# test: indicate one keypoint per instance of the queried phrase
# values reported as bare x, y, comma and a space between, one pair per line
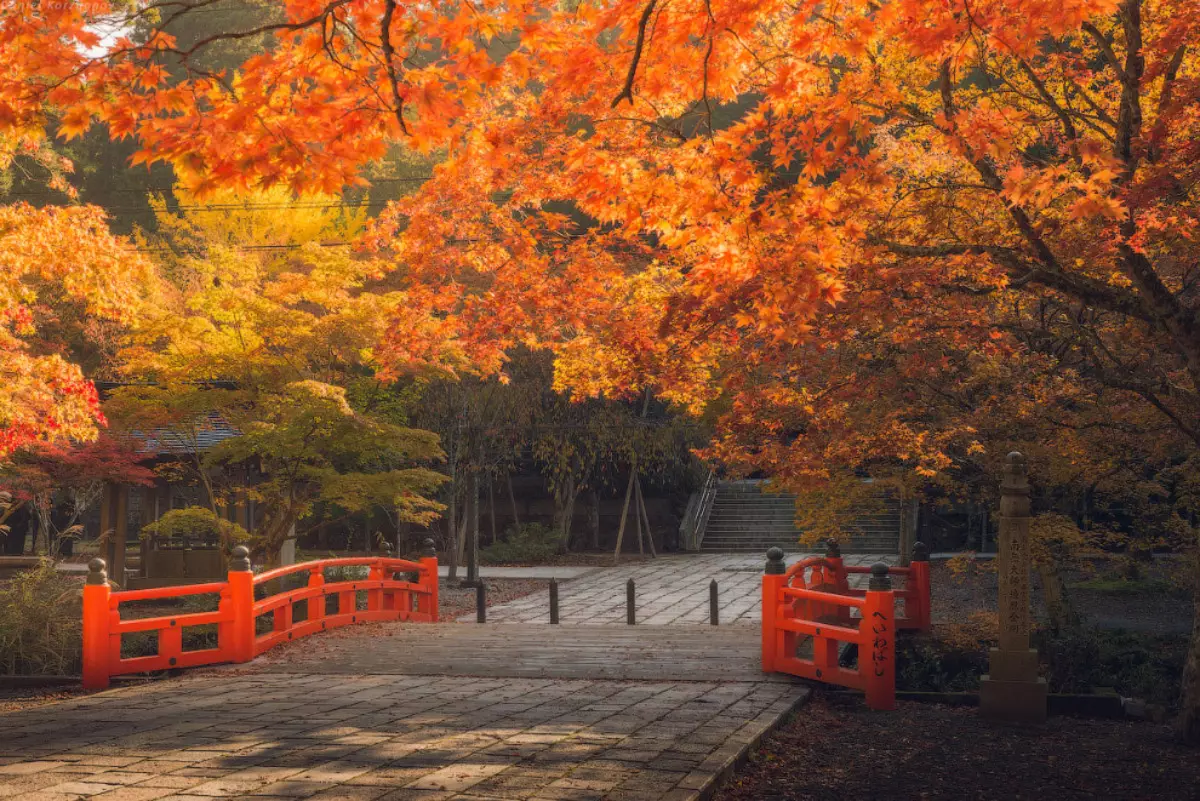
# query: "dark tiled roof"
207, 432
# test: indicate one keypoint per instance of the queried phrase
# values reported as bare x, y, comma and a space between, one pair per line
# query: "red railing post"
96, 595
375, 595
429, 580
838, 578
919, 589
241, 601
316, 604
772, 582
877, 646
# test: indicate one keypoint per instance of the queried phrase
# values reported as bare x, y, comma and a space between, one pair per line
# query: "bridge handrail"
237, 613
832, 598
397, 565
156, 593
820, 608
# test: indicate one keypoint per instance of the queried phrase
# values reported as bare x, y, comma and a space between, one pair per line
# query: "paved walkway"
654, 712
529, 650
670, 590
560, 572
397, 738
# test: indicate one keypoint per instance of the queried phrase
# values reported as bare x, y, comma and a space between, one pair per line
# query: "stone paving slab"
391, 737
671, 590
530, 650
547, 572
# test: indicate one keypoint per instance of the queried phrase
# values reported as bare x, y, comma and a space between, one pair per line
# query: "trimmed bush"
531, 543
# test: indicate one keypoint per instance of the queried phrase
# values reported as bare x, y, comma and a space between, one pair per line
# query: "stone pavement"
671, 590
660, 711
560, 572
397, 738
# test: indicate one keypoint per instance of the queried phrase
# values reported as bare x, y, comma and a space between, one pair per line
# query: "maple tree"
53, 259
59, 482
261, 329
778, 210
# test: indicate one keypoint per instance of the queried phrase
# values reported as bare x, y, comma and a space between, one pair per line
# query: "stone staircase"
746, 519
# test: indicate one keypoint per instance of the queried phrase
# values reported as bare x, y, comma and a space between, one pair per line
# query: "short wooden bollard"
553, 601
480, 603
630, 605
713, 614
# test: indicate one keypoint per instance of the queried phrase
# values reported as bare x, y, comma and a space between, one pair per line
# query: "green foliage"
1134, 664
951, 659
195, 523
531, 543
40, 624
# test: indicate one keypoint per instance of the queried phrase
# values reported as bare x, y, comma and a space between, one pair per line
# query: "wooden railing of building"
811, 603
394, 589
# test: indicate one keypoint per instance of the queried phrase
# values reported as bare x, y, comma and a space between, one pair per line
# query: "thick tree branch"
1106, 50
389, 61
627, 91
1022, 273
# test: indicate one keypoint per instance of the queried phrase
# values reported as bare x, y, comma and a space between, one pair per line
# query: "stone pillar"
1012, 690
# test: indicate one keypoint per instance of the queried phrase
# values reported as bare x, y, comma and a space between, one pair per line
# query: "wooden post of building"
1012, 690
106, 510
148, 498
119, 531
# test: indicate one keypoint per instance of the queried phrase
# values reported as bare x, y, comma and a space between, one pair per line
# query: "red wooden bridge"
393, 589
810, 612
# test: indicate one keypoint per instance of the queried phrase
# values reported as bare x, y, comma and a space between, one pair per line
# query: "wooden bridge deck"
534, 650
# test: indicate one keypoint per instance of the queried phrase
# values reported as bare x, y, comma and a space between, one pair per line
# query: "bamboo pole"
646, 517
624, 517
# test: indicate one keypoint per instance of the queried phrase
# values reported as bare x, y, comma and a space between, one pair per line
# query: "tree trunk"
473, 548
1188, 724
492, 506
463, 528
624, 517
594, 518
564, 514
637, 516
512, 498
452, 525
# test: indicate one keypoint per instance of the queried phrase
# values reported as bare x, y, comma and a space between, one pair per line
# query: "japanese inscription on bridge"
1012, 689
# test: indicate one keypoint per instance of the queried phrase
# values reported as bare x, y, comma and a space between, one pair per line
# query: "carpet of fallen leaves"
16, 698
455, 601
835, 749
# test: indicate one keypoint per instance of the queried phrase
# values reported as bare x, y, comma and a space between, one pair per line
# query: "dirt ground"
835, 749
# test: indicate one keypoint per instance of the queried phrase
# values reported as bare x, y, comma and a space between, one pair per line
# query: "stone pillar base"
1016, 701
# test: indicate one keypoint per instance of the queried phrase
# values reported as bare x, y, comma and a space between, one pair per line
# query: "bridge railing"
812, 604
395, 589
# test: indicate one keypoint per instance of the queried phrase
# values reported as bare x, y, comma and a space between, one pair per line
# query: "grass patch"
41, 624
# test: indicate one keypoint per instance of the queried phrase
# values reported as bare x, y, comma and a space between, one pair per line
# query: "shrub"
196, 524
951, 659
41, 624
532, 542
1134, 664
